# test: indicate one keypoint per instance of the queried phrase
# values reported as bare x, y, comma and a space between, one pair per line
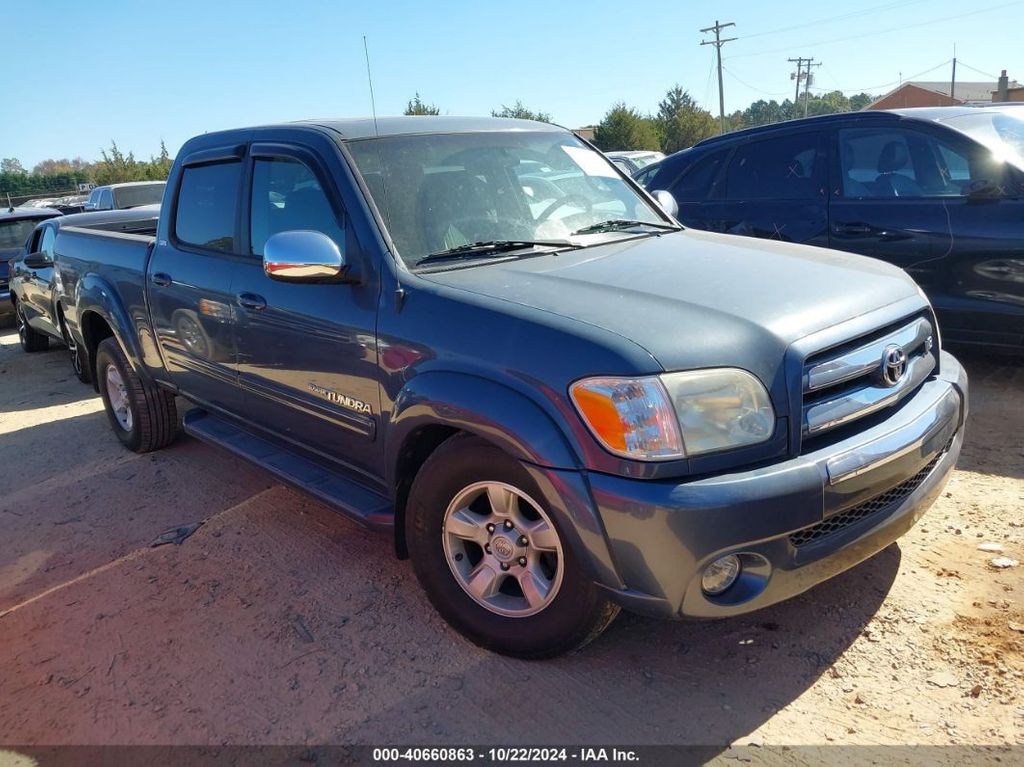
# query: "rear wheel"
143, 416
79, 359
492, 559
31, 339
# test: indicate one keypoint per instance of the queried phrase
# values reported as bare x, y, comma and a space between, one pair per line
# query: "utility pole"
807, 82
718, 42
798, 76
952, 83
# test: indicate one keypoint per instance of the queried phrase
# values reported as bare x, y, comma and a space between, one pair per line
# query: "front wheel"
492, 559
143, 416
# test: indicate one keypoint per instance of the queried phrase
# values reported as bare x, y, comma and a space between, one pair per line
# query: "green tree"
117, 167
681, 122
521, 112
11, 165
624, 128
159, 168
860, 101
418, 106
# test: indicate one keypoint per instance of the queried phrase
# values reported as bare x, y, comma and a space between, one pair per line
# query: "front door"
307, 353
190, 296
909, 196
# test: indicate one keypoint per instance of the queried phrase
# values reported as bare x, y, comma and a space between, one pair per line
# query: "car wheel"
31, 339
491, 557
79, 359
144, 417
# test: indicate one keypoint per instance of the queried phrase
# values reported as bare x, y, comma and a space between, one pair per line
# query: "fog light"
720, 574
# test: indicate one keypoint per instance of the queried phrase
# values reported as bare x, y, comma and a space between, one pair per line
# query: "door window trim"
281, 150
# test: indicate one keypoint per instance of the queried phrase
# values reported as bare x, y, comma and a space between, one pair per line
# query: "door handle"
852, 229
251, 301
161, 280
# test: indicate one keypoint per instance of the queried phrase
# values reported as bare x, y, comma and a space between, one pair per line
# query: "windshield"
1002, 132
14, 233
437, 192
134, 196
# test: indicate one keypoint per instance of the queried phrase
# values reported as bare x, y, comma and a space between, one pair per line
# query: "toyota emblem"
894, 364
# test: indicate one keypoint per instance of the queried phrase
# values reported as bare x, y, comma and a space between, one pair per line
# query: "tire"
144, 417
79, 357
464, 486
31, 339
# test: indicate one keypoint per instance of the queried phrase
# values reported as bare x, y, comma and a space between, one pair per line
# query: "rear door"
191, 303
773, 187
307, 353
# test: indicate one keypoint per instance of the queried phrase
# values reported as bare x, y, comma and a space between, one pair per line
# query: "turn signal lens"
630, 417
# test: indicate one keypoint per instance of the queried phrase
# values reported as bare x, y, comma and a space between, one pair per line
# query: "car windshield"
1002, 132
438, 192
134, 196
14, 233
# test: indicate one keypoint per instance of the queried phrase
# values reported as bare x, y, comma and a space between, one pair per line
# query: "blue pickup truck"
478, 336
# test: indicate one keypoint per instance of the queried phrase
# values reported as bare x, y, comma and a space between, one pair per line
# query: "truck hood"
697, 299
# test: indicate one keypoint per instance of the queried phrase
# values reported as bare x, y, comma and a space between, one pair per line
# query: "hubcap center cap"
504, 547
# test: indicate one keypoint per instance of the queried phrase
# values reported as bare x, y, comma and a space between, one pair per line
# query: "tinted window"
134, 196
696, 181
13, 234
895, 162
784, 168
106, 199
208, 204
644, 176
286, 196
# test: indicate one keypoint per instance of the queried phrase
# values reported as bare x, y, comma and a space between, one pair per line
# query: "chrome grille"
844, 384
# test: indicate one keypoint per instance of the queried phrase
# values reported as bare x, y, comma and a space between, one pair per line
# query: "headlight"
658, 418
720, 408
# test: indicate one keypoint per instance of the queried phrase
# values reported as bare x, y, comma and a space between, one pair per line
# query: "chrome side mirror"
303, 256
666, 201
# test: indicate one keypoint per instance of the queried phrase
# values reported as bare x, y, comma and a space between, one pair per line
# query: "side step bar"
351, 499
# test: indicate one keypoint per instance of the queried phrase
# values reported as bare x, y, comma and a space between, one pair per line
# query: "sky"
80, 74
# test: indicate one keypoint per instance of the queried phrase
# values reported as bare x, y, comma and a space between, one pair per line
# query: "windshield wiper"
492, 247
617, 224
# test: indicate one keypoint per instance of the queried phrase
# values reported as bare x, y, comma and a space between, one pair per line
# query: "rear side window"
208, 205
287, 196
783, 168
696, 182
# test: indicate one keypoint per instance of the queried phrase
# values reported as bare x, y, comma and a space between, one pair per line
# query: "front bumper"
794, 524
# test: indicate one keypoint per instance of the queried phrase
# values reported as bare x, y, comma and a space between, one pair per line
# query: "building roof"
967, 92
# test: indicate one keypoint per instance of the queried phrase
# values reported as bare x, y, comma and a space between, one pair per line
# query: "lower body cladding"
776, 531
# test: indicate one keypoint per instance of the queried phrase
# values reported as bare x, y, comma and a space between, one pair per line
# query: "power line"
718, 42
901, 28
987, 74
745, 84
832, 19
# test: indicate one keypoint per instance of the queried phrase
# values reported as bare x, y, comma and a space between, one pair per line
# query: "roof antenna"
399, 290
369, 79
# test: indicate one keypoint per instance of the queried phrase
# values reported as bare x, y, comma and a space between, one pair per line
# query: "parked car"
938, 192
633, 160
130, 194
71, 204
15, 226
35, 283
554, 410
41, 202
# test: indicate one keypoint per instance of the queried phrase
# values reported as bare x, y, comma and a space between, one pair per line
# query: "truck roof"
353, 129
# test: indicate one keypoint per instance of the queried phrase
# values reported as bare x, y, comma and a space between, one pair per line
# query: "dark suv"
937, 192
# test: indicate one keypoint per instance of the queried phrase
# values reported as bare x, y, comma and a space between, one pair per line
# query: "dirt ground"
279, 621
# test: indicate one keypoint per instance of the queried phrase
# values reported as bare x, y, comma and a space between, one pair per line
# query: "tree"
159, 168
625, 128
681, 122
860, 101
117, 167
417, 106
521, 112
11, 165
51, 167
